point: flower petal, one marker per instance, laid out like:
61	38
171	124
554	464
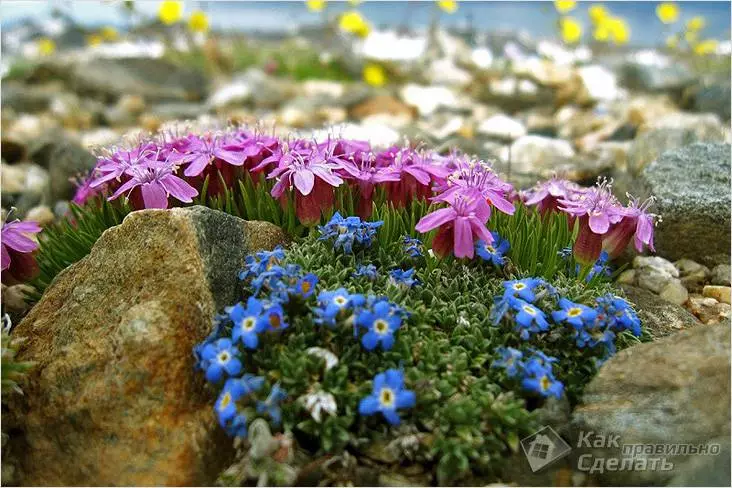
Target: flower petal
435	219
304	181
154	195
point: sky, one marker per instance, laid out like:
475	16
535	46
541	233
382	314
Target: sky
537	18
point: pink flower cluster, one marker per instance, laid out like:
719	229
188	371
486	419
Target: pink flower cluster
604	222
307	173
16	246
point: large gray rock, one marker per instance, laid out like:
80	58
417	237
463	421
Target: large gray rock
713	97
692	187
654	79
648	146
113	398
673	391
65	160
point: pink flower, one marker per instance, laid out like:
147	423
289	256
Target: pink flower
546	195
636	222
479	176
112	167
417	173
461	224
311	177
199	152
597	210
365	170
156	182
16	247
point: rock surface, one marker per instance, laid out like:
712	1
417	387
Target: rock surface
658	316
675	390
692	189
113	399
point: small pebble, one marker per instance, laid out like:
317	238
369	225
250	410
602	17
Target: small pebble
719	293
41	214
674	292
627	277
721	275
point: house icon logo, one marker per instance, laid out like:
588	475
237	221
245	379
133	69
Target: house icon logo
544	447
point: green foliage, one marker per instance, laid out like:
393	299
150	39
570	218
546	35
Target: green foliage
12	370
468	416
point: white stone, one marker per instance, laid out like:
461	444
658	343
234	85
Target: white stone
314	88
530	153
482	57
601	84
674	292
502	127
103	136
427	99
656	262
627	277
445	72
390	46
719	293
378	135
235	92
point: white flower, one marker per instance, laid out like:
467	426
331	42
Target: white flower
319	402
331	359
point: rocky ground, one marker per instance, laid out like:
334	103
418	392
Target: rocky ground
653	125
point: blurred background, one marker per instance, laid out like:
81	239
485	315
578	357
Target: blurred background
564	86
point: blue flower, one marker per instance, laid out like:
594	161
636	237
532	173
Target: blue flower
222	357
619	314
368	271
261	262
226	403
388	396
250	383
412	247
349	231
333	304
510	361
406	278
574	314
599	268
247	323
493	252
501	307
273	318
381	324
271	406
529	319
523	289
219	324
305	286
540	379
238	426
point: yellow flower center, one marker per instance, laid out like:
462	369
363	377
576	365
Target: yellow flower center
306	286
248	324
224	357
381	326
574	312
545	383
386	397
529	310
340	300
490	249
225	401
519	286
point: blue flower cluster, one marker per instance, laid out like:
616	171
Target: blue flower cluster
590	327
367	271
349	231
412	247
406	278
376	316
534	371
494	252
601	266
279	283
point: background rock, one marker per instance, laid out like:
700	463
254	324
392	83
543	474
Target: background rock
113	399
675	390
658	316
692	186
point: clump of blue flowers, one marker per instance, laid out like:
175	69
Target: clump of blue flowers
348	232
406	278
388	396
412	247
534	371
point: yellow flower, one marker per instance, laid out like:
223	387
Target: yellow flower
46	46
94	39
374	75
315	5
170	12
602	32
598	13
672	42
706	47
564	6
449	6
198	22
354	23
109	34
571	30
696	23
667	12
618	29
